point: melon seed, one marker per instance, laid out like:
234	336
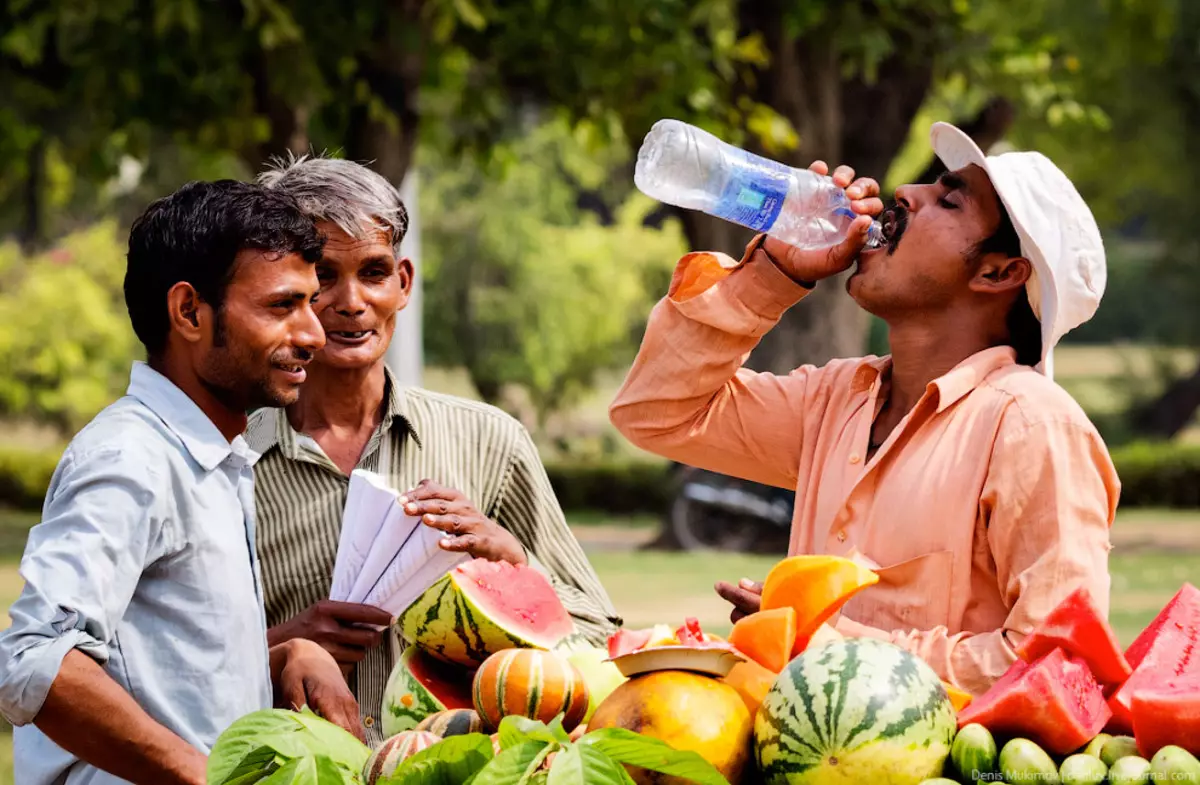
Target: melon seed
1095	745
1130	770
1024	763
1082	769
1174	765
1116	748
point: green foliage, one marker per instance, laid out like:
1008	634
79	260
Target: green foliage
25	476
65	340
286	748
525	746
524	288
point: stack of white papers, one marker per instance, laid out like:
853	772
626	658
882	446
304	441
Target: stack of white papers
385	557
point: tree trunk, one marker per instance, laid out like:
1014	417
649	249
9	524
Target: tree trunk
32	232
1166	416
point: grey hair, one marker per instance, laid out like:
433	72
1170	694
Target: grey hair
354	197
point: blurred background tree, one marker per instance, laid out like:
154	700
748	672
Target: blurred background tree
524	117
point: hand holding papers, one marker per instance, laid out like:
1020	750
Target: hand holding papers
385	557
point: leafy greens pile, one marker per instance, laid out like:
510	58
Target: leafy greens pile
282	747
279	747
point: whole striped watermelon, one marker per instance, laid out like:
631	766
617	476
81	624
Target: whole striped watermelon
482	607
855	710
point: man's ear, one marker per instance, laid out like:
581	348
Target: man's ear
404	268
189	315
998	273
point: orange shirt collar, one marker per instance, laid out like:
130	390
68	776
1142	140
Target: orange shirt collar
951	386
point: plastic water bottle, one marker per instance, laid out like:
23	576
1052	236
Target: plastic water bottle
688	167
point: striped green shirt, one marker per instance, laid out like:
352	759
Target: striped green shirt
476	448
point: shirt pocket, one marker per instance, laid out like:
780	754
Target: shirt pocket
913	594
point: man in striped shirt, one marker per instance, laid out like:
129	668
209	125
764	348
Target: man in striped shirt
467	468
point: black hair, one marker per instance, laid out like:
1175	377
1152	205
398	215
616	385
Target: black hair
194	235
1024	329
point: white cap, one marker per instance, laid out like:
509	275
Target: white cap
1058	233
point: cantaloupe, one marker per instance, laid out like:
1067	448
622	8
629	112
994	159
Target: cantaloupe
767	637
816	587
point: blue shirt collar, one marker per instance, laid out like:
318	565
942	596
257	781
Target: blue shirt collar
203	440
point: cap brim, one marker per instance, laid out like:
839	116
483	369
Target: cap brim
956	150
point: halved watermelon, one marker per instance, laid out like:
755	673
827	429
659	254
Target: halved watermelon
420	686
481	607
1167	714
1077	626
1167	650
1054	701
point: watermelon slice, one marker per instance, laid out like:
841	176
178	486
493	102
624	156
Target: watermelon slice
1077	626
419	686
1054	701
625	641
1167	714
1167	650
481	607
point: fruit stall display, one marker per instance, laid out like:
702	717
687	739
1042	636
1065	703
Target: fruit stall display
495	687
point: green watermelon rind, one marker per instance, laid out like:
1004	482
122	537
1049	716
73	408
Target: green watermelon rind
397	717
895	741
445	623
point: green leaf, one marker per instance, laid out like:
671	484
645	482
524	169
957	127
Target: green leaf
336	742
625	746
584	763
257	764
451	761
514	765
515	729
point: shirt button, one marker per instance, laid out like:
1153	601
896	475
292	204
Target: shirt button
841	535
855	458
369	722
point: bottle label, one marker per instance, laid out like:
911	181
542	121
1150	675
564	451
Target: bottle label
756	191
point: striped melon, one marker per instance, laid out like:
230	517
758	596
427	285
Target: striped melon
855	710
394	751
482	607
452	722
529	683
419	686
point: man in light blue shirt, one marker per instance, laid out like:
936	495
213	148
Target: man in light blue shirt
140	634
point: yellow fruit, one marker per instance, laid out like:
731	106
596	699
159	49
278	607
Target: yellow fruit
686	710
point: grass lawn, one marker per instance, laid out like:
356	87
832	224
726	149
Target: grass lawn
1155	552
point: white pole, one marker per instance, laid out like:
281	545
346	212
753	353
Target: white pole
406	356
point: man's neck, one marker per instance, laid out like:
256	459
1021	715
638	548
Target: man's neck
339	399
230	421
922	352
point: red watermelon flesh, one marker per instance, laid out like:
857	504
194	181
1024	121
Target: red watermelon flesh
1167	650
447	683
517	597
1054	701
1077	626
1167	714
628	641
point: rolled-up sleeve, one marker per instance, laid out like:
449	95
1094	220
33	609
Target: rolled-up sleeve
81	566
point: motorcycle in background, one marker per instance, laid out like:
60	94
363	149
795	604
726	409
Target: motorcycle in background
711	511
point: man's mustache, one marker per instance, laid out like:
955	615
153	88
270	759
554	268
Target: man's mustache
894	221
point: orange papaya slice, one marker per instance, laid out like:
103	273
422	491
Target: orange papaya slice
752	681
959	698
816	587
767	637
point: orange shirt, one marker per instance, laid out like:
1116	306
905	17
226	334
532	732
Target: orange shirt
990	502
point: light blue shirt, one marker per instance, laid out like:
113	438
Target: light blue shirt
145	561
